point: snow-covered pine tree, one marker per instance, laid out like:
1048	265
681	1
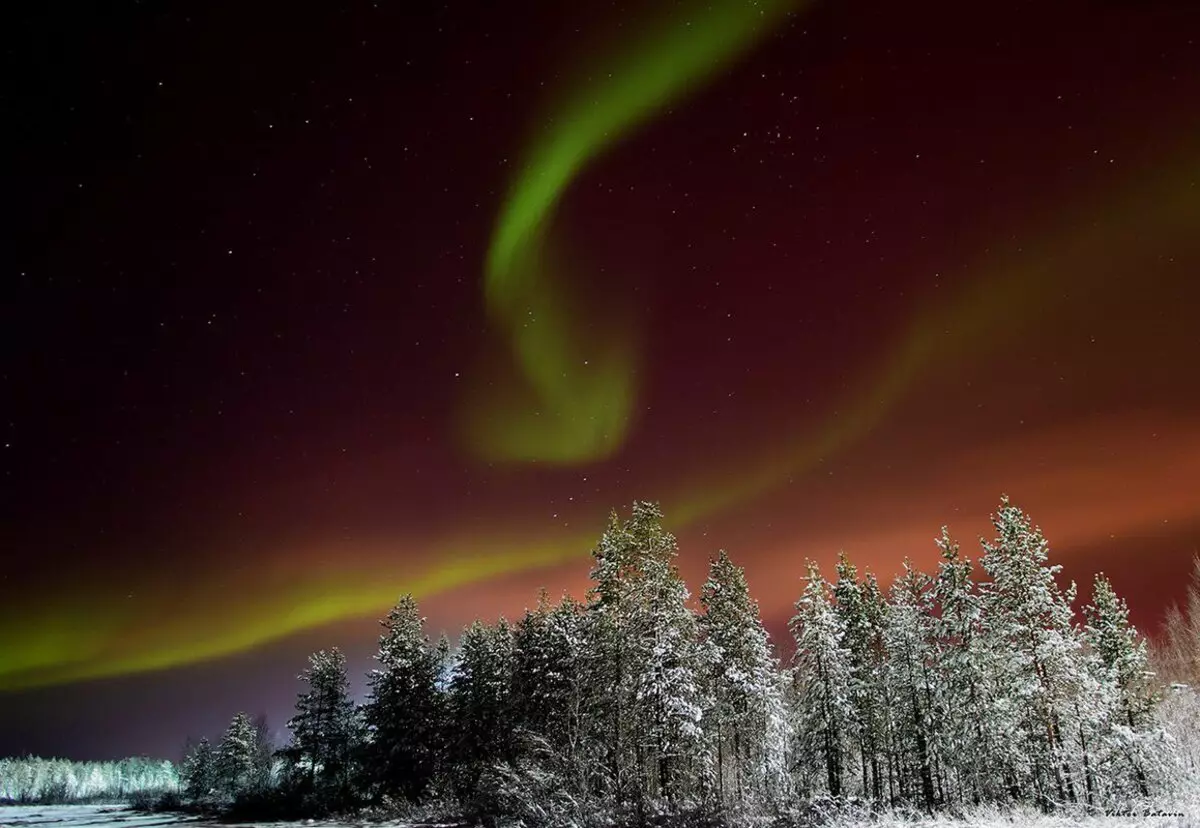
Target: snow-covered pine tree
668	691
1029	621
821	689
537	683
913	686
326	730
647	700
608	660
746	718
884	769
198	771
857	607
550	686
480	705
966	734
404	712
1121	664
236	756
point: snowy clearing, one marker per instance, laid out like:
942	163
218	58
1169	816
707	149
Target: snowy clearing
77	816
116	816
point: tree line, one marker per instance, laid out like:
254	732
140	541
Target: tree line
978	683
33	780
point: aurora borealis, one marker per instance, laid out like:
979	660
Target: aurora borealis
579	384
387	299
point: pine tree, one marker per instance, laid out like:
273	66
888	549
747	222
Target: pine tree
648	699
821	687
667	687
1121	662
550	684
1029	619
967	722
236	756
326	733
609	660
914	687
198	772
858	606
481	704
404	713
746	718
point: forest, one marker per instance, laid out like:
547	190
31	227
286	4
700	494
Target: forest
981	684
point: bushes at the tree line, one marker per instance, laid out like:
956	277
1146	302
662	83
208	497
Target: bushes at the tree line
939	692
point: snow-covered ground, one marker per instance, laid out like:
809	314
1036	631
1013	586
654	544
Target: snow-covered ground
120	816
79	816
1033	819
116	816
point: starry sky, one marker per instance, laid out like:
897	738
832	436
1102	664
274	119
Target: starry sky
308	307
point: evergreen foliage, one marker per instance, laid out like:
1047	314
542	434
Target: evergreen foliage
326	730
405	709
237	757
939	692
198	773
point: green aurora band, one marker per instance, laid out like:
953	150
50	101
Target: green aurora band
570	394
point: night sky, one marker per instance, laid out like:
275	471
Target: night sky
308	305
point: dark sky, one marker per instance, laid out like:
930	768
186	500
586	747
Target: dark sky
839	282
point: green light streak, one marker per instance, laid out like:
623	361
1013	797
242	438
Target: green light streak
574	388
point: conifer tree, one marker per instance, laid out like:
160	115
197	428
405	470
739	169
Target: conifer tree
857	605
198	772
746	718
913	685
1122	663
404	713
1029	620
821	687
609	659
667	689
326	732
481	704
966	735
237	756
550	685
